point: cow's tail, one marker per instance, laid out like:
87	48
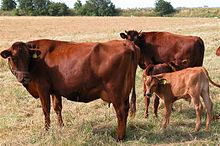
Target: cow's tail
202	47
135	61
132	109
207	74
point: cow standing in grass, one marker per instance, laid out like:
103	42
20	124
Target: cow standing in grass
164	47
80	72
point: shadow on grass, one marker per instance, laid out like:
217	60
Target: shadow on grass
151	134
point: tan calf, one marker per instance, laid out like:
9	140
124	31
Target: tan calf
188	83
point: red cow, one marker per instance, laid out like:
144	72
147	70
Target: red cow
218	51
162	47
80	72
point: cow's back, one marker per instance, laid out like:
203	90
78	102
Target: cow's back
168	47
83	69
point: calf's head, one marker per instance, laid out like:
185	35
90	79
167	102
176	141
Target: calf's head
151	84
19	56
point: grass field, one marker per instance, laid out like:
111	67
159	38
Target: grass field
21	116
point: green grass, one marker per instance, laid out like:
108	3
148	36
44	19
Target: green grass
94	123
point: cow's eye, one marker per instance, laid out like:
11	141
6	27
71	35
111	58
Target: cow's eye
14	59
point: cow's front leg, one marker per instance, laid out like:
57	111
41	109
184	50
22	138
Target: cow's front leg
45	103
57	106
122	114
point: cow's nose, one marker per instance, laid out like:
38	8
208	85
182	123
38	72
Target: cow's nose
149	94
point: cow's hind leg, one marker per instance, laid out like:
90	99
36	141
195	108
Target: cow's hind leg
198	109
121	109
57	106
208	104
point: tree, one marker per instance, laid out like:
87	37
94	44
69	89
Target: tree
163	8
26	7
57	9
95	8
78	7
8	5
40	7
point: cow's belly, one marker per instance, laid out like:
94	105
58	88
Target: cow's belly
84	95
81	97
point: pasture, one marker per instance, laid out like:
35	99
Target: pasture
94	123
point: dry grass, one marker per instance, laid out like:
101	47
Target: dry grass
21	116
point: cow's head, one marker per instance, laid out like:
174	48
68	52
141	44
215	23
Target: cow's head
19	57
151	84
138	39
132	35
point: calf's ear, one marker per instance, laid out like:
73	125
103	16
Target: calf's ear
162	81
123	35
5	54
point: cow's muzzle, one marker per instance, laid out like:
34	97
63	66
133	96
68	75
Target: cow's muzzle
22	76
149	94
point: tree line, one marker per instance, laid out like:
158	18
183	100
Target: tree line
90	8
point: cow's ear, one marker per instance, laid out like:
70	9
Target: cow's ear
35	53
123	35
162	81
149	69
140	36
31	45
5	54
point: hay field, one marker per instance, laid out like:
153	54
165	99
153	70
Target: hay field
21	116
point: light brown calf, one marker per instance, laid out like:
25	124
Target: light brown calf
188	83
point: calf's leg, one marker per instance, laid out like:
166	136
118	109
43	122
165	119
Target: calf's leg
147	103
198	109
156	104
167	112
208	104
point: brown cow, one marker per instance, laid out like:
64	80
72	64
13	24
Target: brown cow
153	70
80	72
162	47
218	51
188	83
